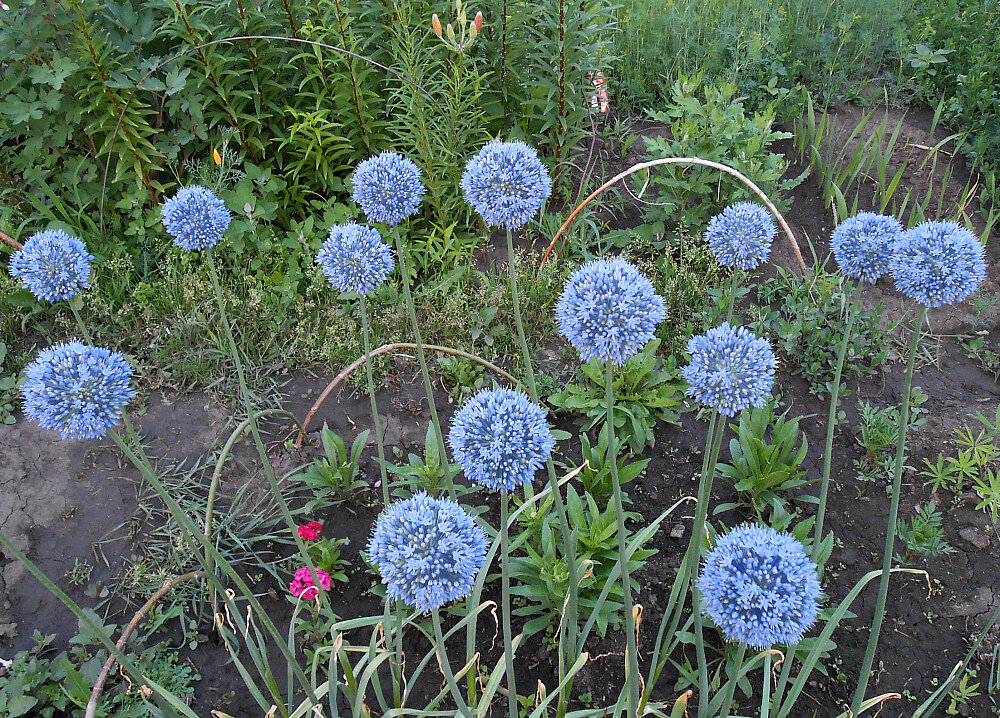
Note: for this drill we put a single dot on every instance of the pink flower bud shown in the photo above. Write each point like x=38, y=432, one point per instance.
x=436, y=24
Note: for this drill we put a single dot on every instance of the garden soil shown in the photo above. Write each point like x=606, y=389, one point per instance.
x=68, y=502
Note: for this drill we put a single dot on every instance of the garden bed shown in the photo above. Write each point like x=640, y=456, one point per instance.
x=62, y=498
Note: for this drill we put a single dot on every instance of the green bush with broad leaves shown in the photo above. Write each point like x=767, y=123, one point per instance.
x=648, y=389
x=766, y=465
x=711, y=123
x=806, y=315
x=540, y=574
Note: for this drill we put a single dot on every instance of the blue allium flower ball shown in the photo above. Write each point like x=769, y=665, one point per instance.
x=609, y=311
x=428, y=551
x=938, y=263
x=387, y=187
x=501, y=439
x=506, y=183
x=354, y=258
x=77, y=389
x=863, y=245
x=52, y=265
x=195, y=218
x=759, y=587
x=741, y=235
x=731, y=369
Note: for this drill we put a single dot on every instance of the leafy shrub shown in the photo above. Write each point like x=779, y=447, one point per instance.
x=595, y=476
x=647, y=390
x=335, y=477
x=767, y=457
x=541, y=575
x=710, y=122
x=808, y=325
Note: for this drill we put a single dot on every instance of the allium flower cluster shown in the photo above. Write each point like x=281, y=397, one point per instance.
x=731, y=369
x=863, y=245
x=195, y=218
x=506, y=183
x=310, y=531
x=52, y=265
x=428, y=551
x=938, y=263
x=501, y=439
x=354, y=258
x=387, y=187
x=759, y=587
x=78, y=390
x=741, y=235
x=609, y=311
x=303, y=586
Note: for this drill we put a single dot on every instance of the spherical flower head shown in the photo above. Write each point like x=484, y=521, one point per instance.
x=195, y=218
x=731, y=369
x=741, y=235
x=938, y=263
x=303, y=586
x=428, y=551
x=609, y=311
x=387, y=187
x=310, y=531
x=863, y=245
x=52, y=265
x=759, y=587
x=354, y=258
x=506, y=183
x=500, y=438
x=78, y=390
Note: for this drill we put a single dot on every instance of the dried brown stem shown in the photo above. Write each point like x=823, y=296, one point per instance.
x=384, y=349
x=687, y=161
x=95, y=694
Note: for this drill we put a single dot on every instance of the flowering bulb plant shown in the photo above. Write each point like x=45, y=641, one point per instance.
x=52, y=265
x=195, y=218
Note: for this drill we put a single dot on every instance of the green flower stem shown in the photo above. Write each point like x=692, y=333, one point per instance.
x=765, y=699
x=716, y=432
x=730, y=689
x=569, y=624
x=449, y=676
x=255, y=431
x=831, y=421
x=631, y=655
x=890, y=534
x=733, y=284
x=415, y=326
x=370, y=379
x=508, y=645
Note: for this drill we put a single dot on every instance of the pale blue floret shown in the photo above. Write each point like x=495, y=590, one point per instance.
x=195, y=218
x=387, y=187
x=78, y=390
x=760, y=588
x=938, y=263
x=609, y=311
x=52, y=265
x=731, y=369
x=428, y=551
x=354, y=258
x=500, y=438
x=863, y=245
x=506, y=183
x=741, y=235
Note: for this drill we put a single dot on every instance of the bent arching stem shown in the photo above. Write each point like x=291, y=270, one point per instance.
x=385, y=349
x=95, y=694
x=683, y=161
